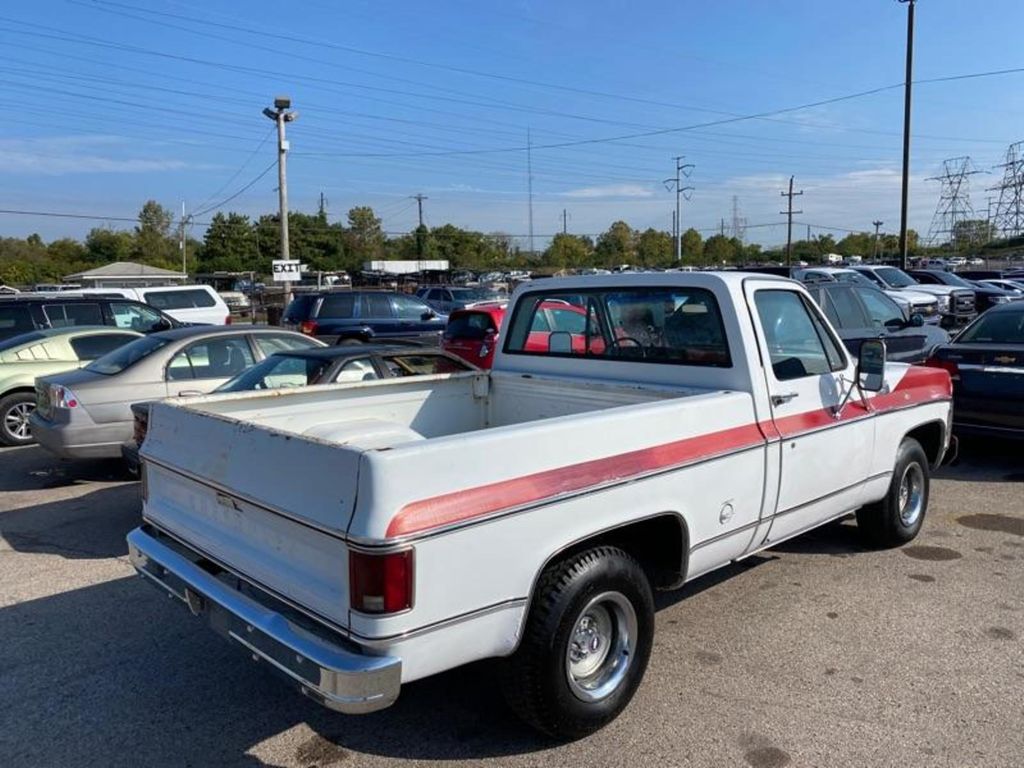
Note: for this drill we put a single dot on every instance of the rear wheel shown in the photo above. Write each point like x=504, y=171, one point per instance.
x=586, y=645
x=14, y=412
x=898, y=517
x=350, y=341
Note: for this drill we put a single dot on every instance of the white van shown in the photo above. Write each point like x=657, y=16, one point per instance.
x=198, y=304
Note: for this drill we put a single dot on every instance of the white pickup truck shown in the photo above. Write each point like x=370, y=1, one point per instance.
x=357, y=537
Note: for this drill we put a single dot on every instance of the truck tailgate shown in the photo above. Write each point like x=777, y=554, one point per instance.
x=219, y=486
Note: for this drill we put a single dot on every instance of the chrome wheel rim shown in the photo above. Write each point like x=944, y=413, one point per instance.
x=16, y=420
x=600, y=647
x=911, y=494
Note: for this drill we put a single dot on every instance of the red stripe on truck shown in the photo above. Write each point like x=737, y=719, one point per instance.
x=918, y=386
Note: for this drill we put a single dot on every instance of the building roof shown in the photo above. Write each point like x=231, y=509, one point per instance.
x=124, y=269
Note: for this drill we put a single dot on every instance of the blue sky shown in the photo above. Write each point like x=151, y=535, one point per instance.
x=111, y=103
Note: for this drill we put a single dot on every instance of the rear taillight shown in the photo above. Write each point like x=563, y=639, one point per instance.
x=140, y=426
x=227, y=320
x=144, y=481
x=490, y=339
x=949, y=366
x=380, y=583
x=63, y=397
x=308, y=327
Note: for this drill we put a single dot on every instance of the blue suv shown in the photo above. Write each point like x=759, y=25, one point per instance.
x=358, y=317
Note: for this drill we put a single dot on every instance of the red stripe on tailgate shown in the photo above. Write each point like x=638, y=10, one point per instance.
x=483, y=500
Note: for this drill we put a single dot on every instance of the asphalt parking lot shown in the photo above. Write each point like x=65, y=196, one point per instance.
x=817, y=653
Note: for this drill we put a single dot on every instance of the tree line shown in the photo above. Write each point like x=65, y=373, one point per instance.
x=237, y=243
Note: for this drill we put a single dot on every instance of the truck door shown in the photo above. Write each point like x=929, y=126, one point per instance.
x=826, y=452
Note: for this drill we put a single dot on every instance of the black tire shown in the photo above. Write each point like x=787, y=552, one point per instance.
x=538, y=680
x=13, y=409
x=895, y=520
x=349, y=341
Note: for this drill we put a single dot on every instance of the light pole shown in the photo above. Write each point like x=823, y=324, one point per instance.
x=906, y=132
x=280, y=115
x=877, y=224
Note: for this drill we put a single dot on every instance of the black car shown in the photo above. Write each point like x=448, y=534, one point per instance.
x=986, y=363
x=860, y=313
x=986, y=296
x=23, y=314
x=344, y=364
x=358, y=317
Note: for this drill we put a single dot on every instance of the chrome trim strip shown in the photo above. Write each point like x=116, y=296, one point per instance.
x=727, y=534
x=990, y=368
x=829, y=495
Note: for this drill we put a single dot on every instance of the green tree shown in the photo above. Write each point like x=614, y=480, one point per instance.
x=229, y=244
x=857, y=244
x=692, y=246
x=719, y=249
x=971, y=233
x=103, y=246
x=568, y=251
x=154, y=242
x=655, y=248
x=365, y=234
x=616, y=246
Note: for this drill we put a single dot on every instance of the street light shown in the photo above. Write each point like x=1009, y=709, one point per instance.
x=280, y=116
x=906, y=132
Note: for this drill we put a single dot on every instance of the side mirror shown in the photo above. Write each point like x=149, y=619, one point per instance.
x=560, y=343
x=871, y=365
x=428, y=315
x=163, y=324
x=916, y=320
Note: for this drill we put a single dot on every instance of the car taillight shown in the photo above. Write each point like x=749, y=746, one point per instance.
x=380, y=583
x=490, y=339
x=227, y=320
x=140, y=427
x=63, y=397
x=949, y=366
x=308, y=327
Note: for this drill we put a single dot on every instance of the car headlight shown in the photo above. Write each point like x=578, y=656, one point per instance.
x=943, y=303
x=1000, y=299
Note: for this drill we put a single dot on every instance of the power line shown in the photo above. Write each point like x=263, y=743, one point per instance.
x=241, y=168
x=227, y=200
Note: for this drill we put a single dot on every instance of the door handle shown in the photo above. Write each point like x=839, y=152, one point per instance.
x=780, y=399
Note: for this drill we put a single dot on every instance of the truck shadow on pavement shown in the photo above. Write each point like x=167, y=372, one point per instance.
x=112, y=674
x=92, y=525
x=33, y=469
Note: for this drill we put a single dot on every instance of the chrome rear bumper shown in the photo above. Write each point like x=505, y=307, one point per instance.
x=339, y=678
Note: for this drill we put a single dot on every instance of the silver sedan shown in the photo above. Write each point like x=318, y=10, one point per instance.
x=87, y=413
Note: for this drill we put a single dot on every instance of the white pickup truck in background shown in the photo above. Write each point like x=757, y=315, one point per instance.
x=358, y=537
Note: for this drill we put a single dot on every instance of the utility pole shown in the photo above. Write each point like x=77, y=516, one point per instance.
x=905, y=195
x=420, y=234
x=676, y=183
x=184, y=221
x=280, y=115
x=878, y=224
x=529, y=184
x=565, y=224
x=323, y=205
x=674, y=225
x=788, y=213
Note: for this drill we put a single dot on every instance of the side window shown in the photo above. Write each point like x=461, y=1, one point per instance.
x=337, y=305
x=216, y=358
x=408, y=308
x=436, y=294
x=92, y=347
x=186, y=298
x=846, y=310
x=134, y=317
x=15, y=319
x=421, y=365
x=70, y=315
x=269, y=344
x=373, y=305
x=360, y=369
x=798, y=343
x=882, y=310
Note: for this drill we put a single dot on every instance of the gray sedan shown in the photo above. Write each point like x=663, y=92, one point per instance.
x=87, y=413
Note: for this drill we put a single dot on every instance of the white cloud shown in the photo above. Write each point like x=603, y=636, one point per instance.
x=61, y=155
x=609, y=190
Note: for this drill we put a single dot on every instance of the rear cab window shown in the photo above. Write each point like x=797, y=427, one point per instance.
x=665, y=325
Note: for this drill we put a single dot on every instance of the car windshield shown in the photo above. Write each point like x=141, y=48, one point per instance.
x=126, y=356
x=17, y=341
x=995, y=328
x=897, y=278
x=278, y=371
x=852, y=277
x=950, y=279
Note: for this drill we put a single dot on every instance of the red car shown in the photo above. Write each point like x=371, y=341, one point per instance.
x=472, y=334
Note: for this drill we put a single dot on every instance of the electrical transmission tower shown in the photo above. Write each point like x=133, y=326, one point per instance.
x=954, y=200
x=1008, y=218
x=739, y=223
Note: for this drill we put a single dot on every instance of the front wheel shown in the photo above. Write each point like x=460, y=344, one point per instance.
x=586, y=644
x=898, y=516
x=14, y=412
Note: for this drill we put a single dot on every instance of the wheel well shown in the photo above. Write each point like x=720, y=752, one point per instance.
x=931, y=436
x=17, y=390
x=660, y=543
